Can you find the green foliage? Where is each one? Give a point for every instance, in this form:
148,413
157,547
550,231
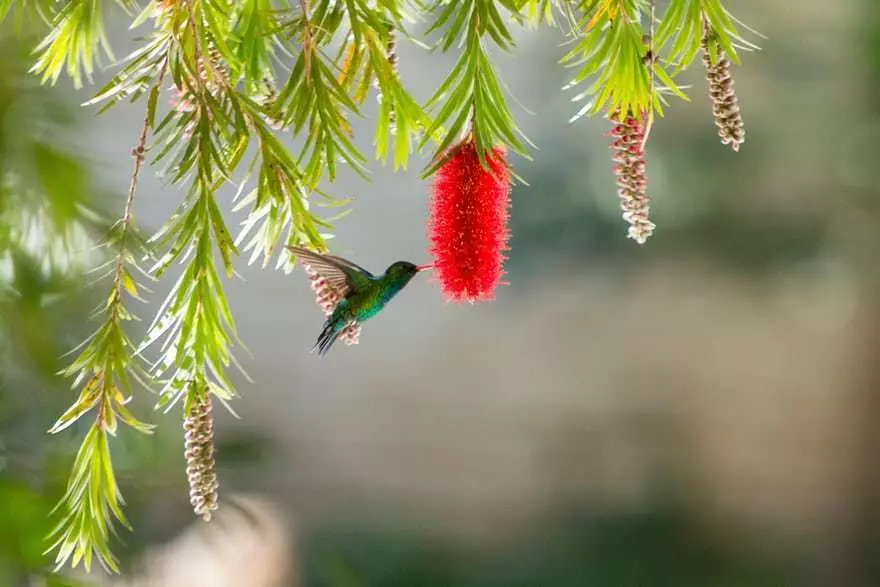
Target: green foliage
244,74
103,368
540,11
92,502
683,26
76,39
471,99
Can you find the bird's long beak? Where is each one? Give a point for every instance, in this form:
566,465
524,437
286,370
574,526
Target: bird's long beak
424,267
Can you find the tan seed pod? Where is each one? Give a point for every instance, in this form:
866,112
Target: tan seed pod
199,453
725,105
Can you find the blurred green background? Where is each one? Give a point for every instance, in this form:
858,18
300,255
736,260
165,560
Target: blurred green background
698,411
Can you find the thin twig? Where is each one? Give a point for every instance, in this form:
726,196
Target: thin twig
473,130
651,59
307,40
391,51
197,53
138,154
201,60
204,61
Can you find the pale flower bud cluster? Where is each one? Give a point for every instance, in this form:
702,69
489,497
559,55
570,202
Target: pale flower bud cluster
328,298
632,183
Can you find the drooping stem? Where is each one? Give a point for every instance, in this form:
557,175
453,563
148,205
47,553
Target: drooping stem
649,59
307,43
139,155
106,362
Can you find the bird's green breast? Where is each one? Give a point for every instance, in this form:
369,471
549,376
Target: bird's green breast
370,300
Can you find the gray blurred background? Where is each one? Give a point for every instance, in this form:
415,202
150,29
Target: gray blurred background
696,411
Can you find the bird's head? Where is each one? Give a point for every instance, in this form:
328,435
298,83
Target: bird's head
405,270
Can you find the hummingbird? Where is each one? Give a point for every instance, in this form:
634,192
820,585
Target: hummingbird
349,293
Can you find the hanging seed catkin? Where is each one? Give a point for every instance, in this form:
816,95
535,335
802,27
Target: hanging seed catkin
725,105
632,183
199,452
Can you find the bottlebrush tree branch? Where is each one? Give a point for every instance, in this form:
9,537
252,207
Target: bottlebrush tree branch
681,28
368,57
204,138
76,41
609,52
105,367
313,101
471,99
240,77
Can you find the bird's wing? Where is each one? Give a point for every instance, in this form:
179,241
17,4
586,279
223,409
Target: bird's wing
341,275
349,264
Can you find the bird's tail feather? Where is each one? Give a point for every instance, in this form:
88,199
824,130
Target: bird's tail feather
328,336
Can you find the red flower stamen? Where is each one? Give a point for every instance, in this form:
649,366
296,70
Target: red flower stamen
468,223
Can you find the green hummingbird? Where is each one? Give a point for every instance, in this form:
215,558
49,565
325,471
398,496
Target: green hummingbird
349,293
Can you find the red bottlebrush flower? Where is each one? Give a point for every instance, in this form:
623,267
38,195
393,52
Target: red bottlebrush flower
327,298
468,223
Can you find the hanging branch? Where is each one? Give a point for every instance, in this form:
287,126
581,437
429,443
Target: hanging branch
471,98
692,26
368,58
205,137
313,102
609,50
631,81
631,132
73,43
725,105
620,53
92,502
